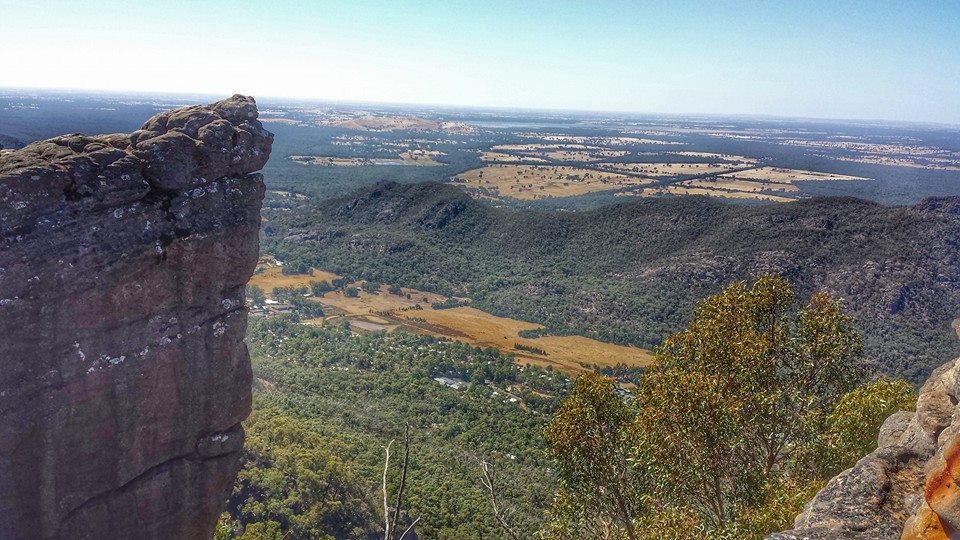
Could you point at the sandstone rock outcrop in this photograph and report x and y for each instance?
(908, 487)
(123, 371)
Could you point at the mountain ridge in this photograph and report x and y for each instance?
(630, 272)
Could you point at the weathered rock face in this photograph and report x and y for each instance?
(123, 260)
(908, 487)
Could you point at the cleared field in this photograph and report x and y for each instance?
(388, 123)
(669, 170)
(502, 157)
(272, 276)
(328, 161)
(932, 163)
(776, 174)
(583, 155)
(557, 152)
(733, 158)
(418, 158)
(684, 190)
(527, 182)
(602, 141)
(485, 330)
(422, 158)
(538, 147)
(287, 121)
(412, 311)
(379, 304)
(736, 184)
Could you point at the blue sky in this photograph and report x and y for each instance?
(829, 59)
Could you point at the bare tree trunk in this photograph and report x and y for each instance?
(403, 479)
(498, 513)
(387, 533)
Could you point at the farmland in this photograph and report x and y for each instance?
(412, 310)
(684, 189)
(527, 182)
(779, 175)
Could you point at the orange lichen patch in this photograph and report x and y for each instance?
(924, 525)
(941, 492)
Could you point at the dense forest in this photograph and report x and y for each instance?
(328, 401)
(632, 272)
(761, 396)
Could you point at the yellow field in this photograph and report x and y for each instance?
(513, 153)
(683, 190)
(482, 329)
(526, 182)
(936, 164)
(583, 155)
(737, 160)
(328, 161)
(385, 311)
(776, 174)
(379, 304)
(420, 158)
(509, 158)
(271, 277)
(539, 147)
(735, 184)
(389, 123)
(668, 170)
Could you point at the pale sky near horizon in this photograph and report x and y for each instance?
(816, 58)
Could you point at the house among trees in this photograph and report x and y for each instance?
(456, 384)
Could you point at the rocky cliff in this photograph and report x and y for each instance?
(123, 371)
(906, 488)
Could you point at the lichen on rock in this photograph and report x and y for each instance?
(907, 488)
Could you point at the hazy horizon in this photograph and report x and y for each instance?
(877, 61)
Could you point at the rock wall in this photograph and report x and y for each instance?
(907, 488)
(123, 371)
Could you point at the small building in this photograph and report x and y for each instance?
(277, 309)
(456, 384)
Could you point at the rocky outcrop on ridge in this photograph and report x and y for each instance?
(123, 371)
(908, 487)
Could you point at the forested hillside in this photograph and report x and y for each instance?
(631, 273)
(327, 402)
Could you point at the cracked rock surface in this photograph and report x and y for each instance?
(123, 371)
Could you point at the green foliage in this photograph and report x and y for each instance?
(319, 288)
(749, 380)
(530, 349)
(354, 393)
(256, 295)
(594, 273)
(296, 267)
(589, 438)
(780, 501)
(351, 292)
(446, 304)
(744, 416)
(853, 425)
(371, 287)
(294, 484)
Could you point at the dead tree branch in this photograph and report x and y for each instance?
(501, 514)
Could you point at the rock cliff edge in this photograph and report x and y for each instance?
(123, 371)
(908, 487)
